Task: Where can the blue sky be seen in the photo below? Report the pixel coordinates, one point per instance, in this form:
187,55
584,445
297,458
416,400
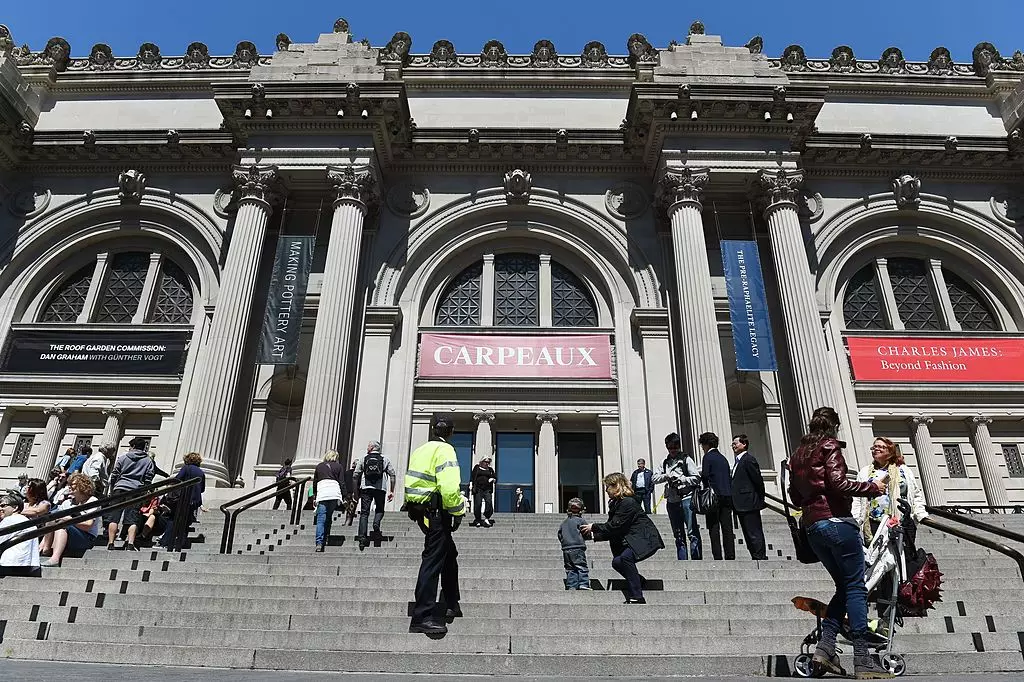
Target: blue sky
916,26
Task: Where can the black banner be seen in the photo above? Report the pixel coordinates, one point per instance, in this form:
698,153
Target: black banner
82,351
282,321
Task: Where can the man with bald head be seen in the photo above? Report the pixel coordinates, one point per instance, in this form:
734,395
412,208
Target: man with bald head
370,475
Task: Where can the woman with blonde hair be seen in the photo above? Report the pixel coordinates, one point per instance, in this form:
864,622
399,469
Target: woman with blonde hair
889,466
78,537
630,532
328,482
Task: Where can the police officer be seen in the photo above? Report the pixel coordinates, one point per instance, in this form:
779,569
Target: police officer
434,501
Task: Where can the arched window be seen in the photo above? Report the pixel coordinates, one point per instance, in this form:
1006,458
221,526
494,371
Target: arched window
516,290
571,304
136,286
460,302
915,287
67,303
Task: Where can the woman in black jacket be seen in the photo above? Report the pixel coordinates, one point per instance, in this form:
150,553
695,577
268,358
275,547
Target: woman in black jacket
630,532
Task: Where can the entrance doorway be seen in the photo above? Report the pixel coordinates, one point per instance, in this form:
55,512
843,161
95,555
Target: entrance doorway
515,453
462,441
577,470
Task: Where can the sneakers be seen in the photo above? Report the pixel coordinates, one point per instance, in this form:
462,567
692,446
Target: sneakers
129,547
584,587
635,600
319,548
488,523
111,547
429,627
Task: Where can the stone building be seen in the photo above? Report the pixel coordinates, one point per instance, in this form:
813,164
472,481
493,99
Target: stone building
531,243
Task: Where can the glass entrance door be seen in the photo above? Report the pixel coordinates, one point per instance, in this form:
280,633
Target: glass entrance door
515,453
577,470
462,441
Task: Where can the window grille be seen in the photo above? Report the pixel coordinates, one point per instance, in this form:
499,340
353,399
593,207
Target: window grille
516,290
954,461
23,450
1014,465
460,303
571,305
69,300
862,305
123,290
913,292
969,308
174,299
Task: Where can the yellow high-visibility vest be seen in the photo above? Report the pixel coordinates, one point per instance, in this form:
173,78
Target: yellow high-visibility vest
434,467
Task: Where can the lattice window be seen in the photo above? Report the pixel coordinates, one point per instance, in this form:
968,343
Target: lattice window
174,298
954,461
913,291
571,304
123,291
460,302
23,450
69,300
516,290
1014,465
970,309
862,304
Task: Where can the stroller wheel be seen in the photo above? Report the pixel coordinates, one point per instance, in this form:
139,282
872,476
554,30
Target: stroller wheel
894,663
804,667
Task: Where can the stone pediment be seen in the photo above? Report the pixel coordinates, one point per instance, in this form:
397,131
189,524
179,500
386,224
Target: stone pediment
332,58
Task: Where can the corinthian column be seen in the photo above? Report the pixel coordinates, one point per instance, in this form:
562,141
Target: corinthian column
546,475
208,413
927,464
484,441
322,411
52,435
112,427
707,405
988,462
804,336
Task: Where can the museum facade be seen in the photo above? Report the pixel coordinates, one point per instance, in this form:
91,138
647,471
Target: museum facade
572,253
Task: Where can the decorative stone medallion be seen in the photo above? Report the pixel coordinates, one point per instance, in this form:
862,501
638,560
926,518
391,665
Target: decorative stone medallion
518,184
1009,210
408,200
28,202
224,203
626,200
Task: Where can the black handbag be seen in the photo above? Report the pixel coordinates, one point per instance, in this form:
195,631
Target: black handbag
703,499
802,546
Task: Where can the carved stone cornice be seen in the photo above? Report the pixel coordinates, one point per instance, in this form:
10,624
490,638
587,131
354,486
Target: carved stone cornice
353,186
256,184
682,187
779,189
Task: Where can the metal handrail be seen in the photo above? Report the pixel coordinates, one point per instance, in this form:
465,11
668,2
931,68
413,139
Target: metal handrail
248,496
976,539
980,525
44,524
981,508
228,540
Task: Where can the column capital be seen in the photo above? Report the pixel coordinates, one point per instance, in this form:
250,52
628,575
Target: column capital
682,187
117,412
483,416
353,186
258,184
547,417
59,412
779,188
978,420
919,419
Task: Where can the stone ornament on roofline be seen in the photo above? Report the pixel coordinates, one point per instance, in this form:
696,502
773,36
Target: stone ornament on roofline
6,41
594,54
197,56
101,58
842,60
986,58
793,59
246,55
397,49
544,54
443,54
697,28
283,42
149,56
940,62
756,45
494,54
640,50
341,26
892,61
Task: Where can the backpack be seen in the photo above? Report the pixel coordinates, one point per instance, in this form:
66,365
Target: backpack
919,593
373,468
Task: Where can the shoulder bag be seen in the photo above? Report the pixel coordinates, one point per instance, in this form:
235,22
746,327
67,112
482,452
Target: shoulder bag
703,499
802,546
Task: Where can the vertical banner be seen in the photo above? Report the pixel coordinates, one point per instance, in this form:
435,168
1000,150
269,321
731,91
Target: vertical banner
748,307
282,320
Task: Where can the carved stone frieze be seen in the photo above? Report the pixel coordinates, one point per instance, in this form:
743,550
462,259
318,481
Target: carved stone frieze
353,185
494,54
906,190
255,183
780,188
843,61
640,50
594,54
397,49
518,184
443,54
626,201
408,200
682,186
131,184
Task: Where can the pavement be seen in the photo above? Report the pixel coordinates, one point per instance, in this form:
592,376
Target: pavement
11,671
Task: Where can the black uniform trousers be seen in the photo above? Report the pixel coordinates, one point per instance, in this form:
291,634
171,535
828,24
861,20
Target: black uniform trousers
753,533
719,524
440,559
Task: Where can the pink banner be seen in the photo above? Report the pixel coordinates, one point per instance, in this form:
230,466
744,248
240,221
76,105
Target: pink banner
944,359
549,357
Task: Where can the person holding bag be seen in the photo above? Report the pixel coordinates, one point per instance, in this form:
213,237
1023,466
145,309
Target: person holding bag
820,487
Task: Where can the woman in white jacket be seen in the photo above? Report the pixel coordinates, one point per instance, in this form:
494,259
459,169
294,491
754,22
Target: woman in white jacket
884,454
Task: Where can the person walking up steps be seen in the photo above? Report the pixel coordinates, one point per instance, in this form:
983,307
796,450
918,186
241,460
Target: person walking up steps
327,482
370,473
574,547
434,501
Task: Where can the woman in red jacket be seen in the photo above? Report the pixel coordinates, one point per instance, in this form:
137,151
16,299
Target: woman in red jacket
819,485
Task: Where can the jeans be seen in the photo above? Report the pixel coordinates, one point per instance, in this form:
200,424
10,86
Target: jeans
841,551
720,530
684,525
645,499
324,517
577,573
482,499
366,496
625,565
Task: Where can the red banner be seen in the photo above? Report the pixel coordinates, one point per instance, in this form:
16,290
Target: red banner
549,357
936,360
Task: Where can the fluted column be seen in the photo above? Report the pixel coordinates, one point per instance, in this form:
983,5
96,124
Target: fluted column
323,404
988,461
208,415
804,337
708,407
56,417
484,440
546,474
112,429
927,462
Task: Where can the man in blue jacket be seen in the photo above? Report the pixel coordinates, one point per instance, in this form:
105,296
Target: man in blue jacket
643,484
715,470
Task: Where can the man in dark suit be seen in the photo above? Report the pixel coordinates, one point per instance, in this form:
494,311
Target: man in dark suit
643,484
748,496
715,470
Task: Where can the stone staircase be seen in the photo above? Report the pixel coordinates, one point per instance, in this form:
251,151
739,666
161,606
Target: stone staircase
277,605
